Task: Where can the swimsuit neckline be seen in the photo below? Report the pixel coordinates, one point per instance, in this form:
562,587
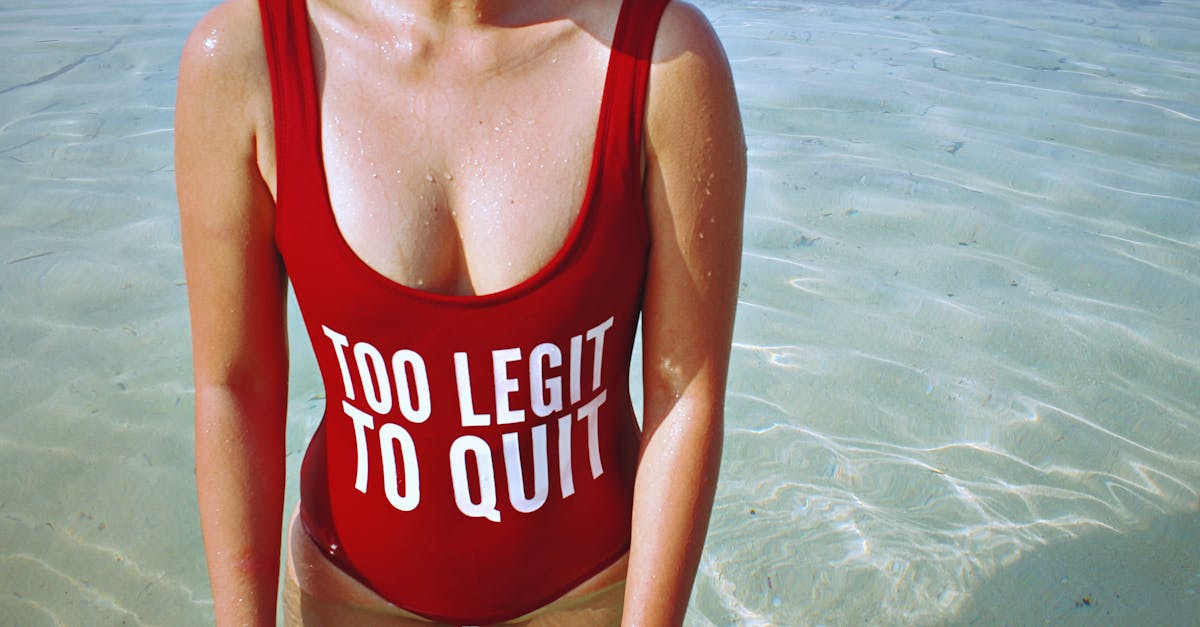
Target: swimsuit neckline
521,288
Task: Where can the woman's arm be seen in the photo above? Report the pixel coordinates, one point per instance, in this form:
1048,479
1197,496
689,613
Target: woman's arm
695,188
236,294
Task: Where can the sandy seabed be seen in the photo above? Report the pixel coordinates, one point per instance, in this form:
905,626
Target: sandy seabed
965,372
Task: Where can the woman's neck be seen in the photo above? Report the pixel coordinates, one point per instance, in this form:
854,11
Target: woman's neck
432,14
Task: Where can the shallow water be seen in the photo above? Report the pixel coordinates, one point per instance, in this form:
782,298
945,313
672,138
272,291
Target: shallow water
966,378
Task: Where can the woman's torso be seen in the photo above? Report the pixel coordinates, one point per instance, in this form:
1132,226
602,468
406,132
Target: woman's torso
493,238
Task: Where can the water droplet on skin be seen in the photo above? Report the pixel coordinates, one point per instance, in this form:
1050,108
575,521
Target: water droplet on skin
448,176
429,177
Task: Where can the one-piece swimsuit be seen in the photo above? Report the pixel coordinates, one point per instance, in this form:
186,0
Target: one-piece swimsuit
476,457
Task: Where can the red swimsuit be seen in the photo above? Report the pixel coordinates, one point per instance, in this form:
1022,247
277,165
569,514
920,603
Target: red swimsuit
477,453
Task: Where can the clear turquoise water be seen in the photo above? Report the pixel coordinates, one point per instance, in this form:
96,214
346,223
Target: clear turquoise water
966,378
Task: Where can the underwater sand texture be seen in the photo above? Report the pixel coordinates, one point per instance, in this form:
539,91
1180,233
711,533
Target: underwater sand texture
965,385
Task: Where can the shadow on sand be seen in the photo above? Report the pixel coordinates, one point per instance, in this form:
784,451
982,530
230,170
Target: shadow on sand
1145,576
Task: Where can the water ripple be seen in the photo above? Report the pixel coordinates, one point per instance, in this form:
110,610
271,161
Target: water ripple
966,340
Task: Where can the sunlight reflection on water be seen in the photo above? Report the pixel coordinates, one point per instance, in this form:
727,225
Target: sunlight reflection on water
964,377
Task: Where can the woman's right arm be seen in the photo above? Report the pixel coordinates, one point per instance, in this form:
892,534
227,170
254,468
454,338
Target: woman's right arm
236,295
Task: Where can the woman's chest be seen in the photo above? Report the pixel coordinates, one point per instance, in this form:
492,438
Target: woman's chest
460,187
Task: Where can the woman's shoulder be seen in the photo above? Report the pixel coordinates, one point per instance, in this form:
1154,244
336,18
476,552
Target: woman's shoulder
223,97
685,29
223,113
690,78
694,139
225,52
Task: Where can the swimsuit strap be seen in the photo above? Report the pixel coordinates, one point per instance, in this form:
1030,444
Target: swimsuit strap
622,110
293,98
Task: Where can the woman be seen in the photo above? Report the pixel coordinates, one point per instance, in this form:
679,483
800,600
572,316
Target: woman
473,201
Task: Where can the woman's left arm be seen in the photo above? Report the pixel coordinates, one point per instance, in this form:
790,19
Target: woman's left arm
695,187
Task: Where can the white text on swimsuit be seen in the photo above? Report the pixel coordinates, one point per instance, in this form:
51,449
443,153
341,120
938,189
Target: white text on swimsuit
550,377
